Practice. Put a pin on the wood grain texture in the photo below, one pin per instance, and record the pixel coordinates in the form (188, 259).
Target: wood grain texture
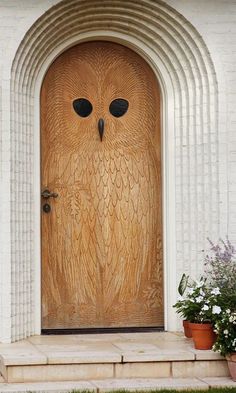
(102, 241)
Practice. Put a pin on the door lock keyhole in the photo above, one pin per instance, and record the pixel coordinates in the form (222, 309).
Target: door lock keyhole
(46, 208)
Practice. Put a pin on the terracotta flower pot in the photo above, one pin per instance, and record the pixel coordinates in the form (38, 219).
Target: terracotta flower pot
(231, 359)
(187, 330)
(203, 335)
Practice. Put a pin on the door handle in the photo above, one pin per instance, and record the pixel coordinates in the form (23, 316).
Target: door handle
(48, 194)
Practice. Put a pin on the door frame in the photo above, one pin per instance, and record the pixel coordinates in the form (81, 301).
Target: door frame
(168, 166)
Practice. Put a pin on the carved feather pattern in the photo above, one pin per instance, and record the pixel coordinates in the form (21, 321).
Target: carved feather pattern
(102, 242)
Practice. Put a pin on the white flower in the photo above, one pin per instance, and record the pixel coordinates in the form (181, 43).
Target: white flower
(216, 310)
(190, 291)
(226, 332)
(180, 298)
(199, 299)
(205, 307)
(232, 318)
(215, 291)
(228, 311)
(202, 293)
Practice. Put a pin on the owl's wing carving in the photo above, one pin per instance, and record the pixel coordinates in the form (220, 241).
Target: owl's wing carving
(107, 225)
(118, 220)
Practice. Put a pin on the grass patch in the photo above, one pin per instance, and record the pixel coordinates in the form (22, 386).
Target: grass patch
(211, 390)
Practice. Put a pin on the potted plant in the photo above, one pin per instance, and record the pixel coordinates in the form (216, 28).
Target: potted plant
(204, 302)
(200, 306)
(225, 344)
(206, 307)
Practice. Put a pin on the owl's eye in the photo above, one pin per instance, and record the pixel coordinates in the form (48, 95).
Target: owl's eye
(82, 107)
(118, 107)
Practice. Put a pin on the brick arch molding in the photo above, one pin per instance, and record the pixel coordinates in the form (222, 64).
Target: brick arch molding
(182, 63)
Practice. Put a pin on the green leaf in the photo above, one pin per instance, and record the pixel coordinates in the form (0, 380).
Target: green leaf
(183, 284)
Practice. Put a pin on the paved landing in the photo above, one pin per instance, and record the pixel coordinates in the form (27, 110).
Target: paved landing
(105, 348)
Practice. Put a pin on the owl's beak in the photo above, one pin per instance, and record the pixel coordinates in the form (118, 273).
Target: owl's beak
(101, 128)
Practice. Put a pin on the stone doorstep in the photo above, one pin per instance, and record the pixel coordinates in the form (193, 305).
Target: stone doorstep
(64, 356)
(97, 371)
(114, 384)
(95, 357)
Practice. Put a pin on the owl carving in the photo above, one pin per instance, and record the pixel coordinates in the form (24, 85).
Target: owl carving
(102, 240)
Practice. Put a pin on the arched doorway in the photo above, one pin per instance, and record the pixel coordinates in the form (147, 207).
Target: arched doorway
(179, 56)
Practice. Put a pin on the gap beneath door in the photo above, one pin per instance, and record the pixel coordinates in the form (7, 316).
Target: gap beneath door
(103, 330)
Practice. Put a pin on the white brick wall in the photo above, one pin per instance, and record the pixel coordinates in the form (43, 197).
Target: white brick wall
(205, 154)
(215, 20)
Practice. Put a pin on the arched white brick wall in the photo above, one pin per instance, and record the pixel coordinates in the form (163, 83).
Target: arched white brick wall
(183, 65)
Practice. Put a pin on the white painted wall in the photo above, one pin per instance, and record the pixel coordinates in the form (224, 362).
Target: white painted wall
(215, 21)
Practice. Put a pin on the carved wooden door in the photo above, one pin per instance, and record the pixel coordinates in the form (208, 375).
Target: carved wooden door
(101, 153)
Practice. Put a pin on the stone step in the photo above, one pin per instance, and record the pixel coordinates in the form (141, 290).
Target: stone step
(77, 358)
(147, 369)
(106, 385)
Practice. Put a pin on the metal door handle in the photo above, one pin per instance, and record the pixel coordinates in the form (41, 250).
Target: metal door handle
(48, 194)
